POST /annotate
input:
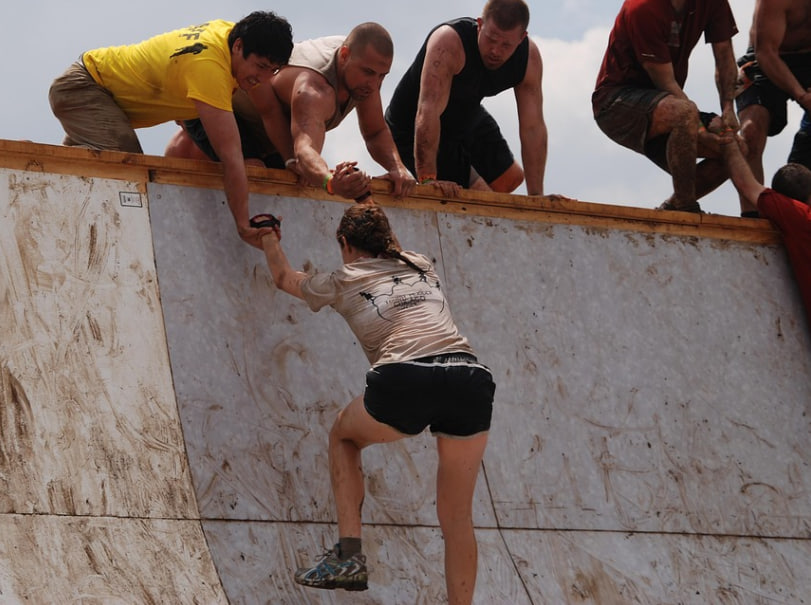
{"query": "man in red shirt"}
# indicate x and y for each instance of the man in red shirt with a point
(786, 204)
(639, 100)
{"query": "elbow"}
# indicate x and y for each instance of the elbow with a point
(279, 279)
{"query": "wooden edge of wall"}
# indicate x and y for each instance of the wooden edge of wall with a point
(37, 157)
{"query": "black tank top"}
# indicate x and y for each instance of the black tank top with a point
(469, 86)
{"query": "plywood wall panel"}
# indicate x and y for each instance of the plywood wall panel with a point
(646, 383)
(68, 559)
(260, 378)
(84, 366)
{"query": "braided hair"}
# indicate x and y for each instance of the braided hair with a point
(366, 227)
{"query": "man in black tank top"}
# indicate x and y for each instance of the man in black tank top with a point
(441, 129)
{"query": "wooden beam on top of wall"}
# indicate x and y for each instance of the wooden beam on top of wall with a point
(25, 155)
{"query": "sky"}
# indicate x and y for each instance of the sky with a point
(572, 34)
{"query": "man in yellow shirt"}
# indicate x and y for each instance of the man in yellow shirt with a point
(180, 75)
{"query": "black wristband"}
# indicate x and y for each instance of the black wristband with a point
(264, 220)
(363, 196)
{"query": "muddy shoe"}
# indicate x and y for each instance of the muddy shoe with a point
(331, 572)
(668, 205)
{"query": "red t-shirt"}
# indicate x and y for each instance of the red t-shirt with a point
(648, 31)
(793, 219)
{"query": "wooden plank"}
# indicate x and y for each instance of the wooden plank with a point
(552, 209)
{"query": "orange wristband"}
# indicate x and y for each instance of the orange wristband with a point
(327, 184)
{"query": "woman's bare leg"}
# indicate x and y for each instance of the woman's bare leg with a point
(459, 463)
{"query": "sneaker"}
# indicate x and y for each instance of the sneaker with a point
(669, 205)
(331, 572)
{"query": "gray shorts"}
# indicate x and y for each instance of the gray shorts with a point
(626, 115)
(89, 114)
(451, 394)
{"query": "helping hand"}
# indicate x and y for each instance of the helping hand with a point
(348, 181)
(402, 181)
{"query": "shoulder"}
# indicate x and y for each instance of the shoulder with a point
(215, 31)
(445, 48)
(776, 206)
(646, 10)
(307, 84)
(420, 260)
(534, 54)
(294, 77)
(445, 37)
(533, 73)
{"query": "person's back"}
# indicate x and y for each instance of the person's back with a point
(786, 205)
(647, 31)
(157, 80)
(107, 94)
(397, 312)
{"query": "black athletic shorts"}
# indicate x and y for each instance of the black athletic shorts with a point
(252, 144)
(759, 90)
(481, 146)
(452, 394)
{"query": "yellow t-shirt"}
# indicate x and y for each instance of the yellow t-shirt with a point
(159, 79)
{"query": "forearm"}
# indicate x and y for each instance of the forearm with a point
(533, 155)
(739, 170)
(726, 79)
(284, 276)
(235, 184)
(383, 150)
(426, 147)
(663, 78)
(780, 75)
(311, 166)
(671, 86)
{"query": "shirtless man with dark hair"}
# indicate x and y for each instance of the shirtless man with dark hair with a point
(775, 69)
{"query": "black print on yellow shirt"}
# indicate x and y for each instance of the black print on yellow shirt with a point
(194, 49)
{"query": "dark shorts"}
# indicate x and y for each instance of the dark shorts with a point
(481, 146)
(452, 394)
(625, 118)
(759, 90)
(253, 145)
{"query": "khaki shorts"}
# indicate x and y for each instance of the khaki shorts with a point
(89, 114)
